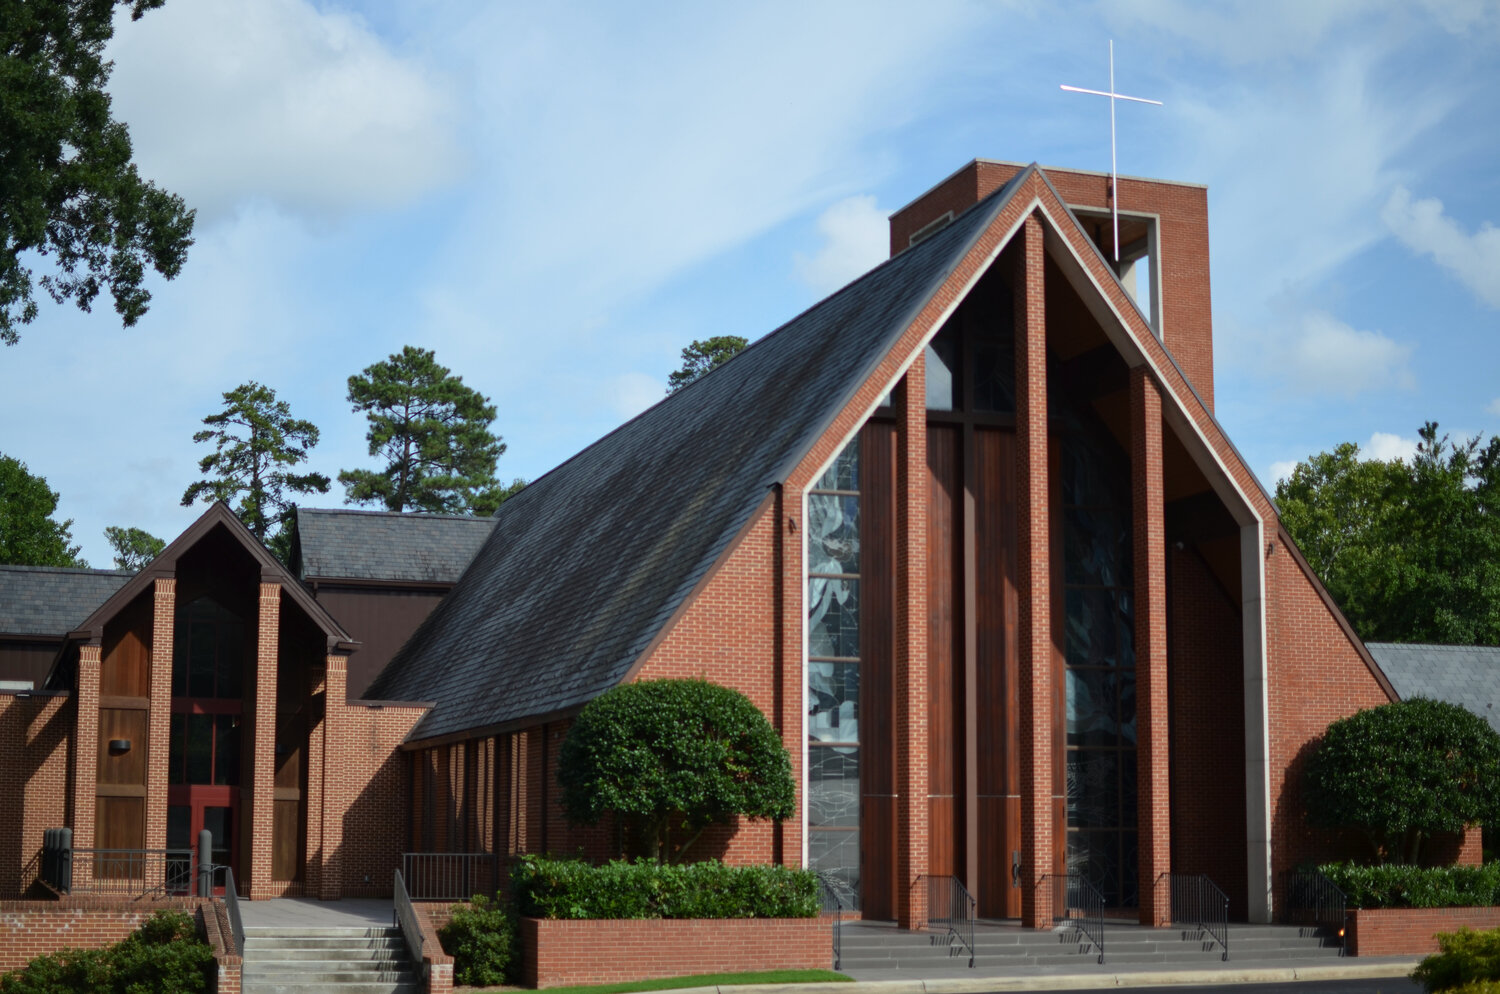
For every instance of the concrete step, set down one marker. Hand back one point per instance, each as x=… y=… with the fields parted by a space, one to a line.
x=350 y=960
x=315 y=987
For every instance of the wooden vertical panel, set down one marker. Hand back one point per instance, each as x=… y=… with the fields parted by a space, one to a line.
x=126 y=667
x=877 y=689
x=944 y=642
x=286 y=836
x=997 y=679
x=121 y=823
x=128 y=767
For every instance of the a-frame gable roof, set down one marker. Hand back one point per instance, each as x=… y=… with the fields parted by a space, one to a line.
x=588 y=563
x=165 y=564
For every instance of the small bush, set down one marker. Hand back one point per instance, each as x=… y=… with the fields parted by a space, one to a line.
x=572 y=889
x=1464 y=958
x=163 y=956
x=481 y=938
x=1397 y=885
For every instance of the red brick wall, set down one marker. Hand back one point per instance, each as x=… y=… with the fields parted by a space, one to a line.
x=1316 y=676
x=643 y=949
x=35 y=928
x=34 y=739
x=1411 y=931
x=372 y=786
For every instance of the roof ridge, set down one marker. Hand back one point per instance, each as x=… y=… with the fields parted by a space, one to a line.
x=429 y=515
x=69 y=570
x=1432 y=645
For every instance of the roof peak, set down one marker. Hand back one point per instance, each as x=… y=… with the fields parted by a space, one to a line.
x=429 y=515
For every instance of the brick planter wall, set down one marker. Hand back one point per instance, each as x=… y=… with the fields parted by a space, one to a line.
x=560 y=953
x=34 y=928
x=1401 y=931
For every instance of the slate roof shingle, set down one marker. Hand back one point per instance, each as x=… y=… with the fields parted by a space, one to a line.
x=587 y=563
x=51 y=600
x=343 y=544
x=1459 y=674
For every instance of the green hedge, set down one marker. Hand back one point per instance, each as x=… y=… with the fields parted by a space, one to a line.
x=481 y=938
x=1395 y=885
x=1468 y=961
x=558 y=888
x=163 y=956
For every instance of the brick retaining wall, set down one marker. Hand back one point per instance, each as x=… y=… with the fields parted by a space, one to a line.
x=1402 y=931
x=34 y=928
x=561 y=953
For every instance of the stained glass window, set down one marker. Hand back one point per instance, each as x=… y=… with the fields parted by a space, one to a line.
x=833 y=675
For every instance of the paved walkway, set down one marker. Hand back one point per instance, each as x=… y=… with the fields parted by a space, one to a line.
x=306 y=912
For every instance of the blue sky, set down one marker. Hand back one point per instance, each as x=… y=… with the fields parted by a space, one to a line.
x=556 y=198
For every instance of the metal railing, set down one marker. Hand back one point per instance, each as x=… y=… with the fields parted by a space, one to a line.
x=450 y=876
x=1199 y=903
x=232 y=905
x=951 y=907
x=1078 y=903
x=404 y=917
x=133 y=872
x=1310 y=899
x=831 y=905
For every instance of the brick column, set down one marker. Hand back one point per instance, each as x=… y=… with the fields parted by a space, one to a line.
x=1152 y=771
x=85 y=756
x=791 y=692
x=312 y=871
x=263 y=763
x=912 y=805
x=1033 y=574
x=335 y=799
x=159 y=718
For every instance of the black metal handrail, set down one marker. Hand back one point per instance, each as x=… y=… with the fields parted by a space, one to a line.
x=950 y=906
x=1199 y=903
x=1309 y=898
x=450 y=876
x=1080 y=904
x=831 y=905
x=405 y=918
x=133 y=872
x=232 y=905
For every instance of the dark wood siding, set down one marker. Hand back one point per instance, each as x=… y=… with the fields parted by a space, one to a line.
x=945 y=649
x=125 y=669
x=877 y=669
x=381 y=619
x=127 y=767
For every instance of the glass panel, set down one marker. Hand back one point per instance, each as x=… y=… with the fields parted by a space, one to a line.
x=1092 y=707
x=221 y=825
x=1094 y=470
x=942 y=369
x=200 y=746
x=177 y=749
x=231 y=661
x=201 y=660
x=1092 y=634
x=832 y=533
x=833 y=702
x=1096 y=856
x=179 y=658
x=227 y=749
x=844 y=473
x=1093 y=788
x=1130 y=879
x=832 y=787
x=1128 y=787
x=179 y=826
x=832 y=617
x=836 y=854
x=995 y=376
x=1127 y=707
x=1097 y=547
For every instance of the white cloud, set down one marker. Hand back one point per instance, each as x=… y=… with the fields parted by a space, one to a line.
x=1281 y=470
x=1424 y=228
x=856 y=237
x=1385 y=446
x=632 y=393
x=235 y=100
x=1325 y=355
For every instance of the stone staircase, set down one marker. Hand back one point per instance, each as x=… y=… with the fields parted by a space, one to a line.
x=878 y=951
x=288 y=960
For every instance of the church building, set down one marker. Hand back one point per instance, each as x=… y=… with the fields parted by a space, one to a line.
x=967 y=531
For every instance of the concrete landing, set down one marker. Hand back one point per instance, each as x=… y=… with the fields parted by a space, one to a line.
x=305 y=912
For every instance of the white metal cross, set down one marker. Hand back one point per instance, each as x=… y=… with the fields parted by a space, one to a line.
x=1114 y=174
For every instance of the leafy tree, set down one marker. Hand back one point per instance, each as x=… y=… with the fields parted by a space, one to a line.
x=134 y=547
x=482 y=940
x=256 y=442
x=1409 y=550
x=67 y=186
x=669 y=758
x=1403 y=771
x=434 y=434
x=703 y=355
x=28 y=534
x=488 y=501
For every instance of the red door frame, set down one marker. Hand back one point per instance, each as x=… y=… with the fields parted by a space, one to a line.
x=197 y=797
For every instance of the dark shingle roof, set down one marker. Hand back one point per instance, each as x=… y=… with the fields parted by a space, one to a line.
x=588 y=562
x=50 y=600
x=381 y=545
x=1460 y=674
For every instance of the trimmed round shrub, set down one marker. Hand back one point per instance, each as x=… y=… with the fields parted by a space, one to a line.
x=1466 y=960
x=163 y=956
x=481 y=938
x=1403 y=771
x=669 y=758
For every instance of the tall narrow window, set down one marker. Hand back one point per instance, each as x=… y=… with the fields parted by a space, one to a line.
x=833 y=674
x=1098 y=575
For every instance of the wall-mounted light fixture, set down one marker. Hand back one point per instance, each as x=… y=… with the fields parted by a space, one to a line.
x=119 y=745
